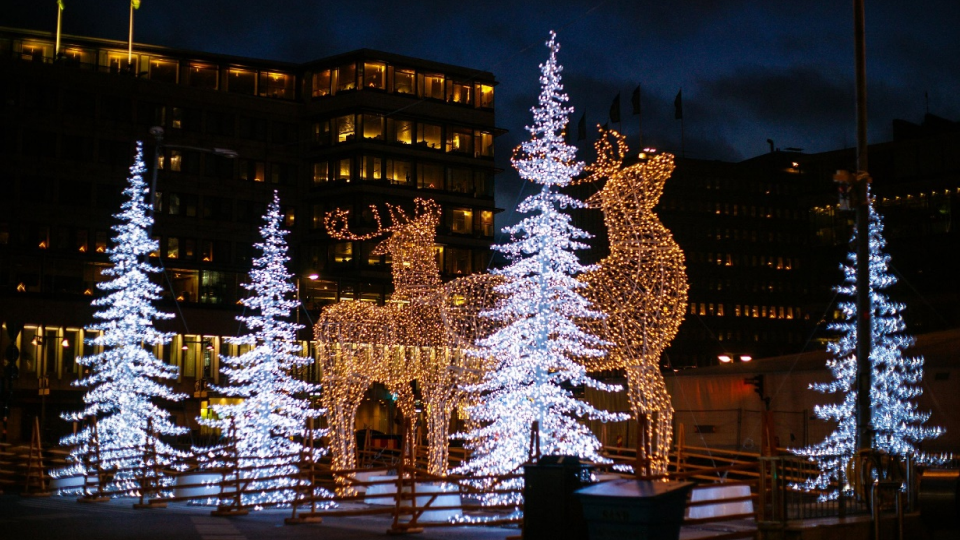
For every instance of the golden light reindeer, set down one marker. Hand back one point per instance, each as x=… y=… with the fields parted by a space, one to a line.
x=641 y=286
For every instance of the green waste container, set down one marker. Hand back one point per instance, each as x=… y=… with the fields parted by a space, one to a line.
x=551 y=511
x=641 y=509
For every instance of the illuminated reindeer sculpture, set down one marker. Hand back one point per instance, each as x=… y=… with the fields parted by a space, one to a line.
x=641 y=286
x=419 y=335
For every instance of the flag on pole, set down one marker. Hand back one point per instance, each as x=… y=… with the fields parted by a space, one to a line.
x=582 y=127
x=678 y=106
x=635 y=100
x=60 y=4
x=135 y=4
x=615 y=109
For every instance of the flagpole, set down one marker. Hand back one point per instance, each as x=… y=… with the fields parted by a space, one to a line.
x=56 y=52
x=130 y=41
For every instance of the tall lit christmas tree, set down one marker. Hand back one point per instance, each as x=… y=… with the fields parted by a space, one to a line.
x=533 y=354
x=898 y=424
x=263 y=431
x=125 y=381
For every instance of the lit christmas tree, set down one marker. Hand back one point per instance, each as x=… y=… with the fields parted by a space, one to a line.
x=266 y=426
x=533 y=354
x=896 y=378
x=126 y=379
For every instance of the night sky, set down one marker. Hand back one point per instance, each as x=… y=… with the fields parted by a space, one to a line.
x=749 y=70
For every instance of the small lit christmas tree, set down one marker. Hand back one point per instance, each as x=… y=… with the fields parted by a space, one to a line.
x=533 y=354
x=125 y=381
x=898 y=425
x=265 y=428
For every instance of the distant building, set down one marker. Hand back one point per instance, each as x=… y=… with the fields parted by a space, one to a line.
x=361 y=128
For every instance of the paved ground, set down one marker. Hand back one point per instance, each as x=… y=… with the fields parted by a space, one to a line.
x=63 y=518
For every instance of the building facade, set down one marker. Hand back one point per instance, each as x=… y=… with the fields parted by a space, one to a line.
x=358 y=129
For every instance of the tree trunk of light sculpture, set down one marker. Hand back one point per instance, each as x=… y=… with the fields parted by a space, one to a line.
x=641 y=286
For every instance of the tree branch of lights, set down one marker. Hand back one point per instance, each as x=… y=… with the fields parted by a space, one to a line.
x=533 y=353
x=410 y=339
x=272 y=416
x=126 y=380
x=641 y=286
x=898 y=424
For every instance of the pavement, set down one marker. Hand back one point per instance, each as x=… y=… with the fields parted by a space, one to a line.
x=63 y=518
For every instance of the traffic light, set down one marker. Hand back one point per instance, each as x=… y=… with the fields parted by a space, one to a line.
x=757 y=383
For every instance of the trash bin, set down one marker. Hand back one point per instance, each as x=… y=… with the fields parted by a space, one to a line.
x=550 y=509
x=641 y=509
x=939 y=498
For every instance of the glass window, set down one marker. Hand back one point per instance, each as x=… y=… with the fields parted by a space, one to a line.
x=371 y=168
x=176 y=117
x=242 y=81
x=289 y=214
x=484 y=95
x=342 y=252
x=460 y=140
x=400 y=131
x=460 y=180
x=486 y=222
x=485 y=144
x=430 y=85
x=252 y=171
x=202 y=76
x=483 y=182
x=176 y=160
x=374 y=75
x=372 y=126
x=322 y=83
x=36 y=52
x=403 y=81
x=347 y=78
x=213 y=287
x=164 y=70
x=460 y=92
x=276 y=85
x=461 y=220
x=321 y=133
x=429 y=135
x=280 y=173
x=343 y=169
x=321 y=172
x=457 y=261
x=345 y=128
x=429 y=176
x=173 y=248
x=400 y=172
x=206 y=250
x=116 y=62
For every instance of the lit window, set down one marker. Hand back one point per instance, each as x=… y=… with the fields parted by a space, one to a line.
x=202 y=76
x=275 y=85
x=430 y=85
x=429 y=176
x=460 y=140
x=736 y=310
x=719 y=310
x=173 y=248
x=371 y=168
x=459 y=92
x=322 y=83
x=400 y=172
x=343 y=169
x=485 y=95
x=429 y=135
x=343 y=252
x=374 y=76
x=372 y=126
x=176 y=117
x=461 y=220
x=117 y=62
x=403 y=81
x=486 y=222
x=241 y=81
x=347 y=78
x=176 y=160
x=321 y=133
x=321 y=172
x=345 y=128
x=400 y=131
x=485 y=144
x=164 y=70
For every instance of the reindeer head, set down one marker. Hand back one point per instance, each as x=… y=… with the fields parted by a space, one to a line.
x=409 y=244
x=641 y=183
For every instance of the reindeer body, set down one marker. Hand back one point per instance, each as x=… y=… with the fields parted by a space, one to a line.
x=641 y=286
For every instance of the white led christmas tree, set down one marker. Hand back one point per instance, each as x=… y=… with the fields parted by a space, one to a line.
x=263 y=432
x=898 y=424
x=532 y=355
x=126 y=381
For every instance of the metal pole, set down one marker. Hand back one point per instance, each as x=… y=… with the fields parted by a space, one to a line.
x=864 y=307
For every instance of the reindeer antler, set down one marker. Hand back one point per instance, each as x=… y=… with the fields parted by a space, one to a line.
x=609 y=157
x=337 y=223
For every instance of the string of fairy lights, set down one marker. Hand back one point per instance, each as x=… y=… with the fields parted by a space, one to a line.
x=641 y=285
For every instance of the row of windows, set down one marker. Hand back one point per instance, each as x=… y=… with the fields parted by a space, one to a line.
x=377 y=127
x=753 y=285
x=755 y=236
x=743 y=310
x=456 y=220
x=755 y=186
x=754 y=261
x=450 y=260
x=387 y=78
x=240 y=80
x=404 y=172
x=734 y=209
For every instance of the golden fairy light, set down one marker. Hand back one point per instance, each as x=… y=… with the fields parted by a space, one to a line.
x=641 y=286
x=421 y=335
